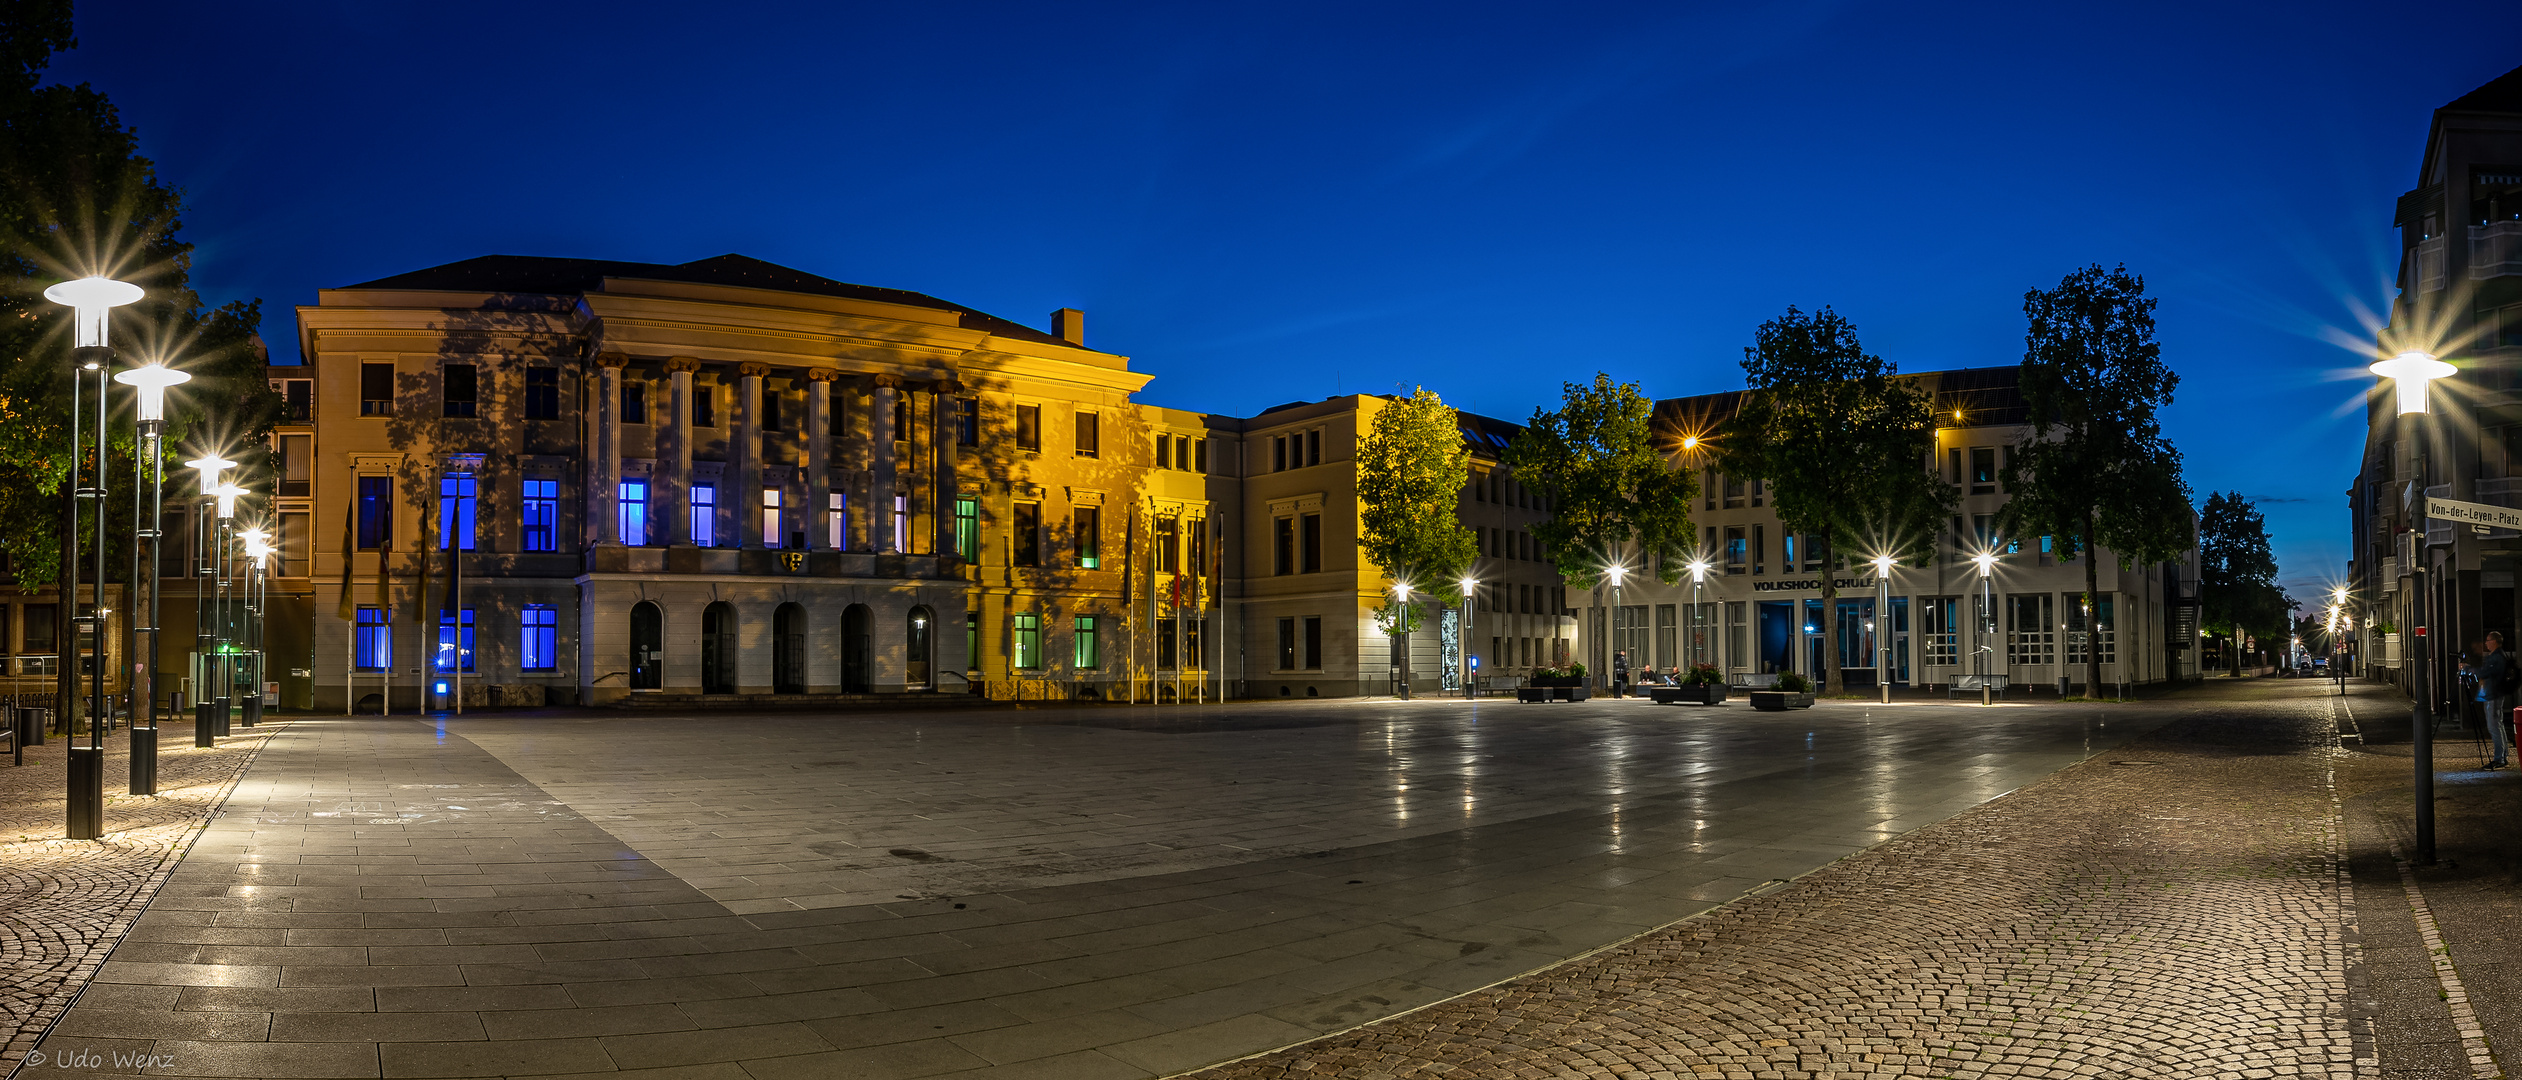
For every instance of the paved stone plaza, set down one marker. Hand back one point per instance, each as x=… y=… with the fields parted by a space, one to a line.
x=1132 y=893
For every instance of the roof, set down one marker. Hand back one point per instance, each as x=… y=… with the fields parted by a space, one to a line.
x=2503 y=94
x=1985 y=396
x=548 y=276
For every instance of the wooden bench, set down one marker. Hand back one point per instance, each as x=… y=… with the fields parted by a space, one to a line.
x=1970 y=684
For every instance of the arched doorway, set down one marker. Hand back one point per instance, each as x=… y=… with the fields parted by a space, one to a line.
x=788 y=650
x=858 y=662
x=921 y=633
x=647 y=645
x=718 y=648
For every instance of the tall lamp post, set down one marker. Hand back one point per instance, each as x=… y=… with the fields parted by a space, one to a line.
x=1986 y=561
x=1882 y=624
x=1618 y=574
x=2410 y=372
x=149 y=382
x=1470 y=664
x=1401 y=634
x=223 y=644
x=205 y=658
x=1698 y=618
x=258 y=549
x=90 y=299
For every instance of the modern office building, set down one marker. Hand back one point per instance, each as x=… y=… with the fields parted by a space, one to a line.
x=2459 y=298
x=519 y=480
x=1758 y=612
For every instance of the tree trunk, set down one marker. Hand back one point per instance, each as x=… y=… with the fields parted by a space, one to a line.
x=1401 y=647
x=2093 y=618
x=1833 y=681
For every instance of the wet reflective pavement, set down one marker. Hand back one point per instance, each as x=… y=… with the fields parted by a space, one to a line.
x=1070 y=892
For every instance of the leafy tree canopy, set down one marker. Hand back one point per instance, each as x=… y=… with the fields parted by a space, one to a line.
x=2238 y=591
x=76 y=198
x=1609 y=485
x=1411 y=468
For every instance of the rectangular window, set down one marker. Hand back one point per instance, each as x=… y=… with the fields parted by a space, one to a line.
x=1199 y=547
x=297 y=465
x=901 y=418
x=38 y=635
x=1199 y=456
x=455 y=641
x=376 y=389
x=2031 y=622
x=1029 y=427
x=634 y=402
x=1089 y=434
x=771 y=532
x=967 y=422
x=968 y=530
x=1283 y=546
x=372 y=646
x=1287 y=645
x=1278 y=453
x=704 y=404
x=1164 y=451
x=541 y=510
x=902 y=523
x=972 y=640
x=1026 y=638
x=836 y=518
x=376 y=512
x=1737 y=550
x=1087 y=528
x=1313 y=643
x=297 y=547
x=770 y=411
x=705 y=515
x=538 y=631
x=1943 y=637
x=1088 y=656
x=1027 y=536
x=297 y=400
x=1953 y=463
x=542 y=393
x=1759 y=549
x=1983 y=470
x=461 y=386
x=1167 y=643
x=1667 y=635
x=1169 y=545
x=1313 y=542
x=1313 y=447
x=634 y=512
x=1182 y=452
x=455 y=511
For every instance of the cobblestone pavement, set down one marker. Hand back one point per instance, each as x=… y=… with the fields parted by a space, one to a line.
x=399 y=898
x=2175 y=908
x=64 y=903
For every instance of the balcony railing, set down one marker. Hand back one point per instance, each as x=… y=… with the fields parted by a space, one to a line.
x=2495 y=249
x=2429 y=255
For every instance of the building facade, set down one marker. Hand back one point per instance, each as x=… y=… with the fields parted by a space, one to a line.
x=2460 y=298
x=1758 y=612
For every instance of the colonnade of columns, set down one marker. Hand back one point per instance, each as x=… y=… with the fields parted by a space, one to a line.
x=873 y=477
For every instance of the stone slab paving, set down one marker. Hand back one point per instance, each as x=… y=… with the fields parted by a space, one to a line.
x=2177 y=909
x=387 y=897
x=64 y=903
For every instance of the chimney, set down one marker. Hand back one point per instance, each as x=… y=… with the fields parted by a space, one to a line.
x=1069 y=324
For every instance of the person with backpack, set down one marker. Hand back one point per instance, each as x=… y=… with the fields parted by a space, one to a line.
x=2497 y=680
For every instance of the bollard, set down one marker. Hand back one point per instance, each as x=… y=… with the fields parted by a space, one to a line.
x=2062 y=687
x=253 y=709
x=87 y=793
x=204 y=732
x=222 y=715
x=144 y=760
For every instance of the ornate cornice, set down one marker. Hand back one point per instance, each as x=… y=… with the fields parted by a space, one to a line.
x=612 y=359
x=823 y=374
x=682 y=364
x=752 y=370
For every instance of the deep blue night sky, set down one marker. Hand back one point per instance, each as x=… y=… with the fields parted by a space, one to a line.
x=1276 y=201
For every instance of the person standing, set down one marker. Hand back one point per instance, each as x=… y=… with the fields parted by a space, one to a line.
x=2496 y=683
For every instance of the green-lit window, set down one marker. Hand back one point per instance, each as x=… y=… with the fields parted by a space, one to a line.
x=1028 y=641
x=1089 y=657
x=968 y=530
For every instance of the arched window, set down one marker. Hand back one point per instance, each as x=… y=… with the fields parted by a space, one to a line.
x=718 y=648
x=921 y=636
x=788 y=650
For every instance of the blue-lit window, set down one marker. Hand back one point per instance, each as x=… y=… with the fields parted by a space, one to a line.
x=455 y=511
x=372 y=641
x=634 y=511
x=455 y=639
x=538 y=628
x=376 y=512
x=705 y=515
x=541 y=510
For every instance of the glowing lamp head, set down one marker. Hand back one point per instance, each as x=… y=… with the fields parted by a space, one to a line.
x=1689 y=442
x=1986 y=561
x=152 y=380
x=1400 y=590
x=1699 y=570
x=1469 y=584
x=2410 y=372
x=1883 y=564
x=227 y=495
x=210 y=466
x=90 y=298
x=1617 y=573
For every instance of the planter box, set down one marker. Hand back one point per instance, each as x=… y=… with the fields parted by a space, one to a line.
x=1780 y=700
x=1570 y=693
x=1532 y=693
x=1699 y=694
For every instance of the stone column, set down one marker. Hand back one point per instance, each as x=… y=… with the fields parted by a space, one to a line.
x=882 y=480
x=744 y=456
x=672 y=500
x=818 y=511
x=948 y=446
x=605 y=471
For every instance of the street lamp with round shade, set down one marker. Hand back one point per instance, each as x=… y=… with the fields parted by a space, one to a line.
x=210 y=466
x=1470 y=668
x=228 y=494
x=91 y=298
x=1698 y=620
x=152 y=380
x=1986 y=561
x=1882 y=624
x=2410 y=372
